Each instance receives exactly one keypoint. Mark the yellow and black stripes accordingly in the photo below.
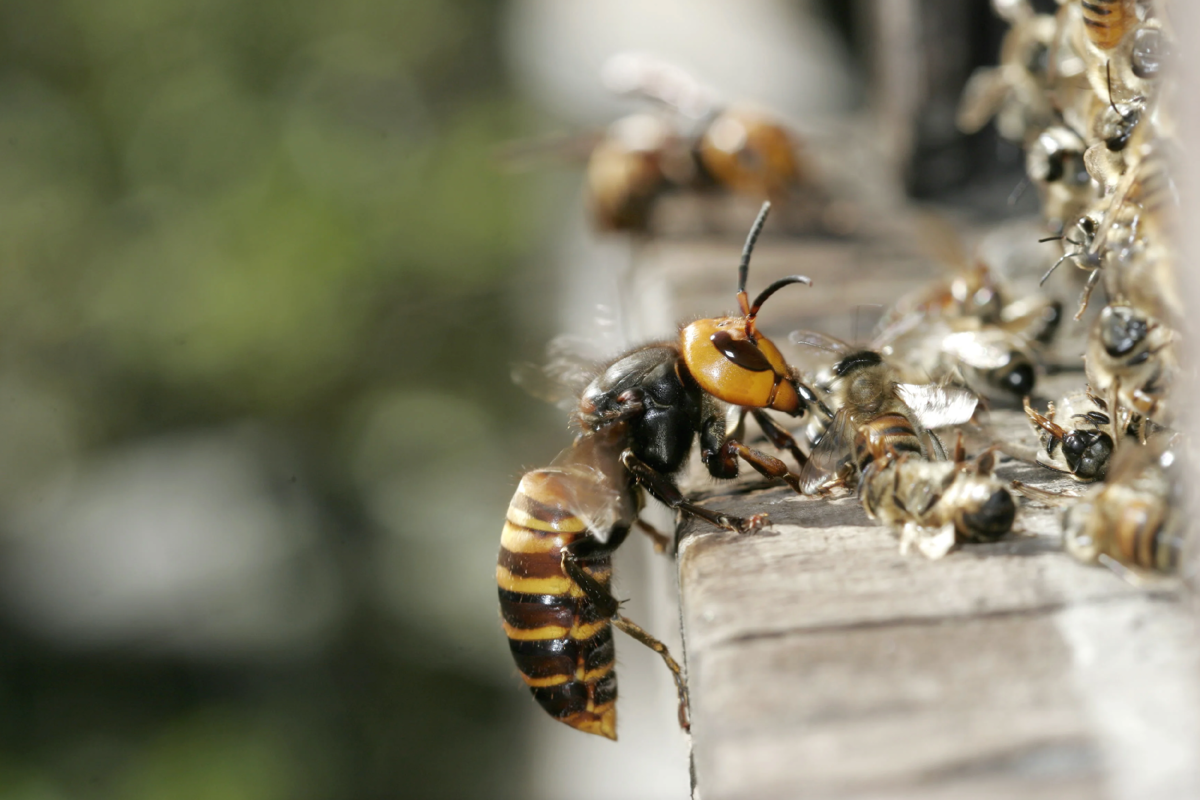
(1107, 21)
(1142, 537)
(560, 638)
(890, 432)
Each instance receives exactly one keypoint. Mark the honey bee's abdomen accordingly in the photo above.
(894, 431)
(562, 645)
(1143, 541)
(1107, 21)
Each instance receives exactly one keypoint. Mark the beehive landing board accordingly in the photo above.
(823, 663)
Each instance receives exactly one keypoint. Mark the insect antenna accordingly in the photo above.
(1050, 271)
(744, 266)
(1050, 239)
(1108, 74)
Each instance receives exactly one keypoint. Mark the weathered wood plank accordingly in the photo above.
(821, 658)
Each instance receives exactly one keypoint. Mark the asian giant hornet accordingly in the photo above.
(637, 421)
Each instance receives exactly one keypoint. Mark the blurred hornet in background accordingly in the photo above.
(689, 142)
(637, 420)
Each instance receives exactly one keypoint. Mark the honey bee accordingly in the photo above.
(873, 406)
(1082, 450)
(1107, 21)
(637, 420)
(1054, 162)
(999, 362)
(937, 504)
(1134, 519)
(1129, 232)
(970, 293)
(1131, 361)
(1016, 91)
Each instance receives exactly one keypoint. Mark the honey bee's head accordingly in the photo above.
(1149, 49)
(990, 516)
(1017, 377)
(985, 507)
(1087, 453)
(732, 361)
(1122, 331)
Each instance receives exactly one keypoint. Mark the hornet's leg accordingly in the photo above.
(660, 539)
(597, 593)
(631, 628)
(767, 466)
(664, 490)
(778, 436)
(601, 598)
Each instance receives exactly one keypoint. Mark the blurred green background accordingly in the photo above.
(255, 407)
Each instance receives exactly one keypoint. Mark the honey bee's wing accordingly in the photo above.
(938, 406)
(820, 341)
(977, 350)
(893, 326)
(829, 454)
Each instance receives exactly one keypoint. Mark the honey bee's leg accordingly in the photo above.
(778, 436)
(661, 487)
(1123, 572)
(1114, 405)
(661, 540)
(636, 632)
(1044, 496)
(1092, 280)
(960, 450)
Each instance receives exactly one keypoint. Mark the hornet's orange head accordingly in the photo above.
(735, 363)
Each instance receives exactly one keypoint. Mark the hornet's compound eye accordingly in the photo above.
(742, 352)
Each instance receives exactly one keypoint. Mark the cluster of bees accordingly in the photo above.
(1082, 90)
(1085, 92)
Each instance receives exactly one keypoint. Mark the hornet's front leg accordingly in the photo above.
(661, 487)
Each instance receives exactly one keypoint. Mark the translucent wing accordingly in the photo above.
(977, 349)
(566, 148)
(588, 492)
(564, 376)
(938, 406)
(820, 341)
(829, 455)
